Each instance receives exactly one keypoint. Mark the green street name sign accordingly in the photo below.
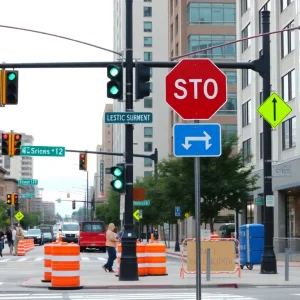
(43, 151)
(141, 203)
(259, 201)
(22, 196)
(128, 117)
(28, 182)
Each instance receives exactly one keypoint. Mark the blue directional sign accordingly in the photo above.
(141, 213)
(197, 140)
(177, 211)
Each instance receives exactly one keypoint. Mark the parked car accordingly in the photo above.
(35, 234)
(48, 237)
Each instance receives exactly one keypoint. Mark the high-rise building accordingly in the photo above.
(150, 42)
(18, 167)
(48, 209)
(199, 24)
(285, 146)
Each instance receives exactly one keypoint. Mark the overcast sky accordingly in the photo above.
(59, 107)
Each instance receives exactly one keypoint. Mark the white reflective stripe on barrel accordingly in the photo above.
(142, 265)
(65, 273)
(156, 265)
(156, 254)
(47, 269)
(47, 257)
(66, 258)
(141, 255)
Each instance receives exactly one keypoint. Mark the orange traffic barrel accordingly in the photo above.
(21, 248)
(156, 258)
(47, 263)
(214, 235)
(65, 266)
(141, 258)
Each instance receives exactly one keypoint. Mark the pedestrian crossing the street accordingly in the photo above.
(14, 259)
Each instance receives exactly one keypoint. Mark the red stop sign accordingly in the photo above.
(196, 89)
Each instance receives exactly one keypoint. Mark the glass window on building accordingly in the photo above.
(250, 211)
(147, 162)
(147, 41)
(230, 129)
(245, 5)
(247, 151)
(246, 32)
(147, 56)
(6, 162)
(147, 11)
(289, 133)
(288, 86)
(246, 113)
(198, 42)
(230, 107)
(147, 146)
(147, 26)
(211, 13)
(231, 77)
(285, 4)
(147, 173)
(148, 132)
(148, 102)
(288, 40)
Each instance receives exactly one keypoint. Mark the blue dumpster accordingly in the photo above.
(251, 244)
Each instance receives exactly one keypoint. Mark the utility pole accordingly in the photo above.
(268, 263)
(87, 196)
(128, 263)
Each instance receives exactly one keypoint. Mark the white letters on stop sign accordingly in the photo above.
(179, 84)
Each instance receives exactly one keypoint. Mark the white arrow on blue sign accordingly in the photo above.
(197, 140)
(177, 211)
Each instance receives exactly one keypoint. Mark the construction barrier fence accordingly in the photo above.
(224, 256)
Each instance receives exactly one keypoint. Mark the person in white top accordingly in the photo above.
(14, 233)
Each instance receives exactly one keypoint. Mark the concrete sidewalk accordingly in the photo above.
(98, 279)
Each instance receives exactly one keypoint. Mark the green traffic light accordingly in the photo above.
(118, 184)
(11, 76)
(117, 172)
(114, 90)
(114, 71)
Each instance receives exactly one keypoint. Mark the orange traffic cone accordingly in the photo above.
(214, 235)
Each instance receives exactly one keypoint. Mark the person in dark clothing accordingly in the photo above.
(10, 242)
(1, 242)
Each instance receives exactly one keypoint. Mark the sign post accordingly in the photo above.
(196, 89)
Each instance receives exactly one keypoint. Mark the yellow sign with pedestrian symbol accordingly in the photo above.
(137, 215)
(274, 110)
(19, 216)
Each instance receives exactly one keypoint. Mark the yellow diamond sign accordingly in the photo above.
(274, 110)
(19, 216)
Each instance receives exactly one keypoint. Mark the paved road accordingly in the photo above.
(208, 294)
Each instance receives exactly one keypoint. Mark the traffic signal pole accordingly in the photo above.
(128, 262)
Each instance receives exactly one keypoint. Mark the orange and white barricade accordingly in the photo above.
(156, 258)
(21, 248)
(220, 254)
(65, 266)
(47, 263)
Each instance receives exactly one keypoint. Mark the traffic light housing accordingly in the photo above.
(16, 142)
(142, 78)
(115, 84)
(9, 86)
(118, 184)
(73, 204)
(15, 198)
(6, 144)
(83, 161)
(9, 199)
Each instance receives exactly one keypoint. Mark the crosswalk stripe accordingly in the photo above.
(150, 296)
(101, 258)
(23, 259)
(1, 283)
(4, 260)
(39, 259)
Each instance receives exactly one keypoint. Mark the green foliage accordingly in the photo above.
(78, 214)
(109, 212)
(225, 183)
(3, 215)
(32, 219)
